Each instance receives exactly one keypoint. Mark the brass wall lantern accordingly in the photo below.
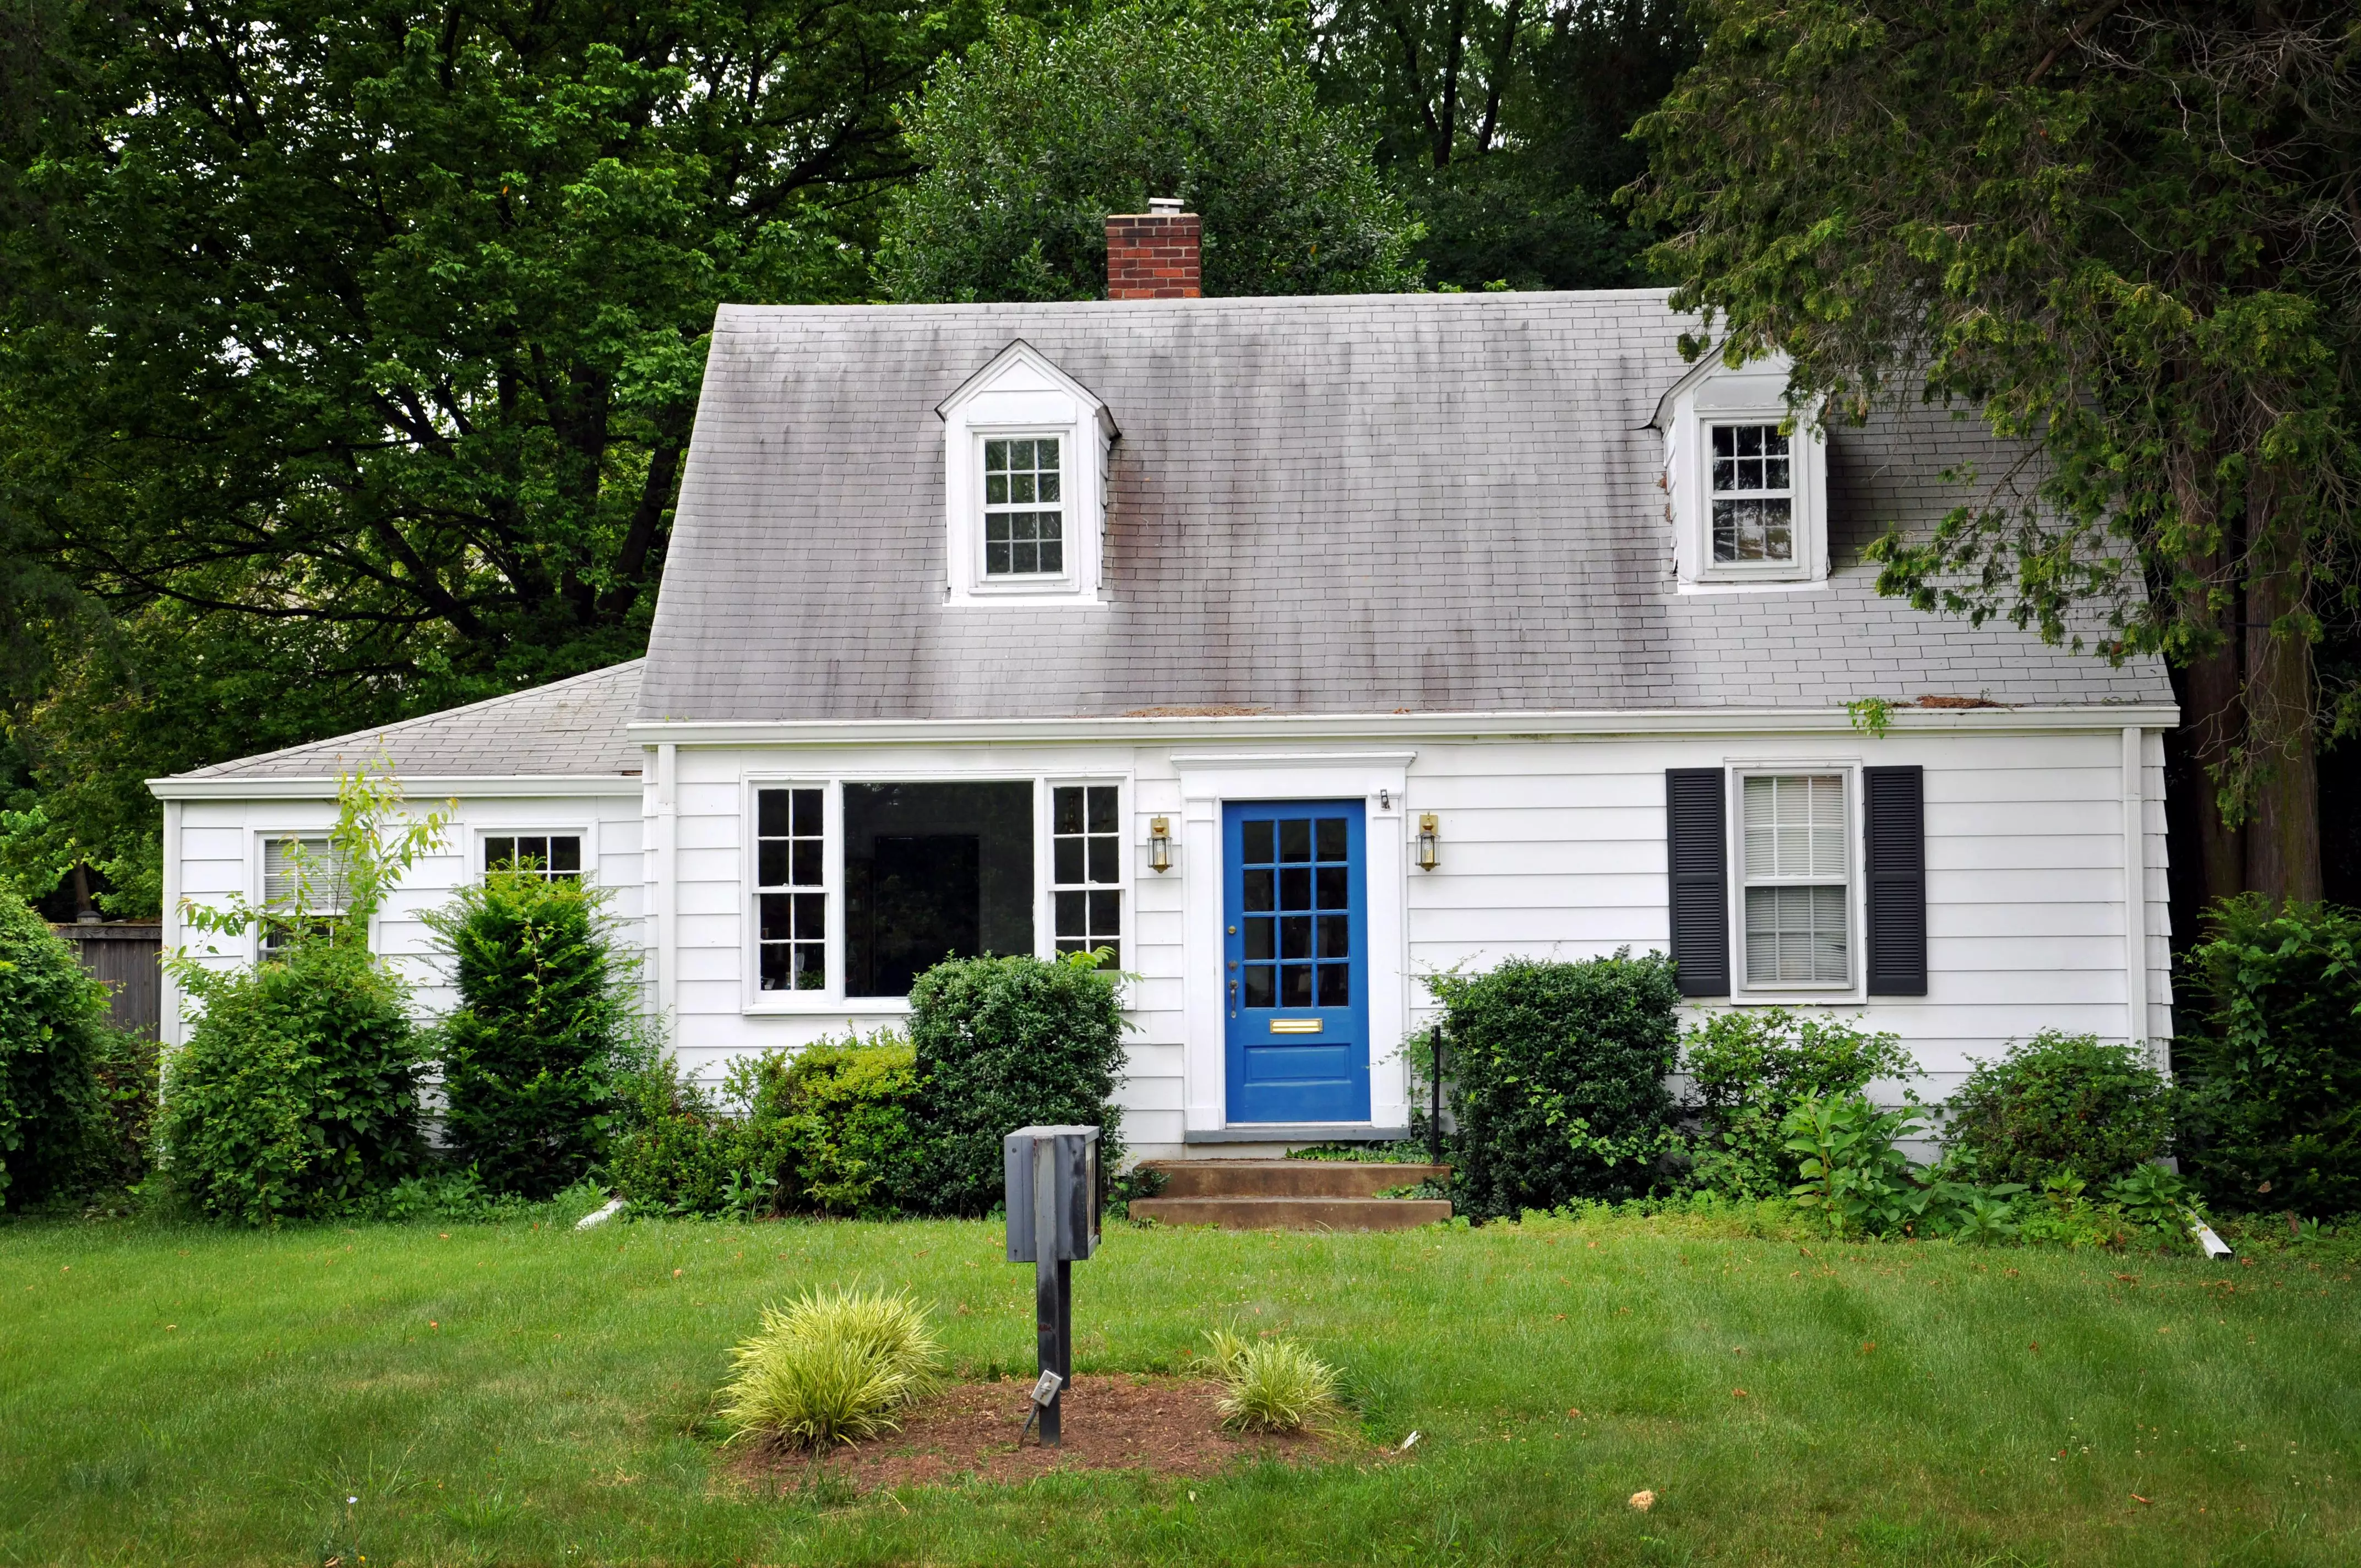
(1160, 843)
(1430, 842)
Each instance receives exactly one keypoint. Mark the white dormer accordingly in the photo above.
(1746, 480)
(1024, 477)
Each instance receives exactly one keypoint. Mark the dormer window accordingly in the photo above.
(1025, 464)
(1753, 495)
(1024, 524)
(1745, 480)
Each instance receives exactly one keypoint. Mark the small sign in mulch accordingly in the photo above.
(1167, 1426)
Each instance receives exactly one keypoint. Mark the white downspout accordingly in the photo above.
(667, 889)
(168, 1020)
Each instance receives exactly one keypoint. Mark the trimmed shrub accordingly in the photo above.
(532, 1053)
(836, 1116)
(2274, 1083)
(50, 1037)
(1556, 1080)
(676, 1153)
(1751, 1067)
(297, 1092)
(2057, 1104)
(1003, 1044)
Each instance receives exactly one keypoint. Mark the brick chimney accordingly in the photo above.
(1154, 254)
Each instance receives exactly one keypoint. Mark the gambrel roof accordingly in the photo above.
(1431, 503)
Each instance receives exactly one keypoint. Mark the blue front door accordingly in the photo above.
(1296, 938)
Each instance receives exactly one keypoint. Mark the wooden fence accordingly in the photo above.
(124, 954)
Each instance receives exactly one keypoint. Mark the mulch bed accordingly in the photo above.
(1166, 1426)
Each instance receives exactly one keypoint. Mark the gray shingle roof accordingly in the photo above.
(569, 728)
(1423, 502)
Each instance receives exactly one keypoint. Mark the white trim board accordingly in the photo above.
(1248, 729)
(418, 788)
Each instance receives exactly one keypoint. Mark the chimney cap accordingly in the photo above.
(1164, 206)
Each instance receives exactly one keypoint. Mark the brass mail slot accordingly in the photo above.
(1296, 1025)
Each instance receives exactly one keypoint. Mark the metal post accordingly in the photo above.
(1052, 1310)
(1434, 1111)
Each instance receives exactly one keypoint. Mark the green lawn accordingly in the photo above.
(207, 1397)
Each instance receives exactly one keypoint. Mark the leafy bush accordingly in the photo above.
(1003, 1044)
(2059, 1103)
(126, 1066)
(837, 1114)
(1556, 1080)
(677, 1152)
(297, 1092)
(831, 1368)
(2275, 1080)
(1752, 1067)
(49, 1042)
(1272, 1384)
(544, 1023)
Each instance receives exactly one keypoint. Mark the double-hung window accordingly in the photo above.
(302, 889)
(1024, 510)
(556, 857)
(791, 882)
(1753, 495)
(1798, 867)
(1086, 869)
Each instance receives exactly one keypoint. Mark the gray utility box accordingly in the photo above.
(1073, 1165)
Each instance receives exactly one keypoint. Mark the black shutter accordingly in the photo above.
(1894, 824)
(1697, 827)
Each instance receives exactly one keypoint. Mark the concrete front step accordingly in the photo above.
(1285, 1178)
(1294, 1213)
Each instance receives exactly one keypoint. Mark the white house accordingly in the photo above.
(1297, 648)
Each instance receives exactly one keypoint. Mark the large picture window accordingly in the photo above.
(1798, 865)
(933, 870)
(1086, 869)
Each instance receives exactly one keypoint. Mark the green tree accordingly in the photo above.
(359, 340)
(50, 1015)
(1502, 123)
(544, 1024)
(1032, 138)
(2120, 232)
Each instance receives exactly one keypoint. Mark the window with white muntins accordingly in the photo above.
(1023, 512)
(556, 857)
(1796, 871)
(1026, 452)
(1086, 870)
(791, 889)
(1745, 481)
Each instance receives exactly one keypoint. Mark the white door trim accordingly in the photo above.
(1380, 779)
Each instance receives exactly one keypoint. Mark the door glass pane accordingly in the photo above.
(1295, 888)
(1261, 987)
(1260, 890)
(1333, 882)
(1332, 838)
(1295, 985)
(1295, 839)
(1335, 937)
(1336, 985)
(1295, 937)
(1259, 938)
(1258, 839)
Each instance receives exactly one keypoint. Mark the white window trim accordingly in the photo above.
(257, 890)
(1045, 885)
(1856, 890)
(829, 997)
(476, 835)
(1020, 393)
(1712, 394)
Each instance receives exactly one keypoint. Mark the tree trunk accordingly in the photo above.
(2283, 831)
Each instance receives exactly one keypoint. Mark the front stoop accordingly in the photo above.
(1290, 1195)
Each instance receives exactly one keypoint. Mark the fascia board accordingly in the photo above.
(619, 786)
(1348, 727)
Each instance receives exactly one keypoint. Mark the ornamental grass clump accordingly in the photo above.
(1272, 1384)
(831, 1368)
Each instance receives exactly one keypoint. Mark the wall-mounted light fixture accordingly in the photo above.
(1160, 843)
(1430, 842)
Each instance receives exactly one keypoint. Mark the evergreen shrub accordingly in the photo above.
(296, 1096)
(546, 1023)
(2059, 1104)
(2274, 1081)
(1002, 1044)
(836, 1116)
(677, 1154)
(50, 1039)
(1752, 1066)
(1555, 1076)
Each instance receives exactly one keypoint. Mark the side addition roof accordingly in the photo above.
(571, 728)
(1422, 503)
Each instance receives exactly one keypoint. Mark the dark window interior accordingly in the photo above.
(933, 870)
